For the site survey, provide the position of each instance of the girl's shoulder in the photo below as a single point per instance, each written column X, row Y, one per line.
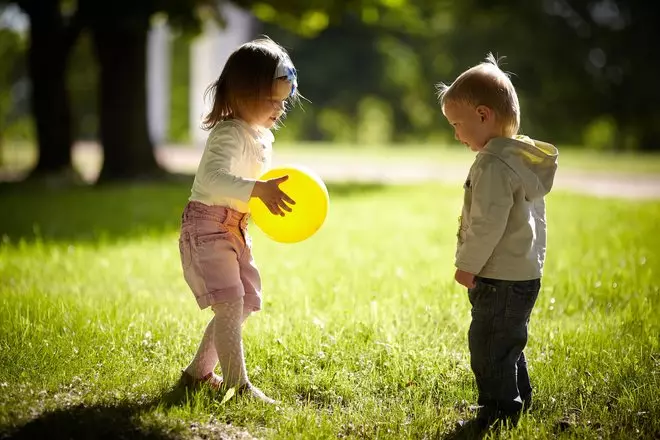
column 229, row 131
column 229, row 127
column 244, row 131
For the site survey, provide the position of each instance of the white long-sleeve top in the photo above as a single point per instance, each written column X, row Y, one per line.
column 234, row 157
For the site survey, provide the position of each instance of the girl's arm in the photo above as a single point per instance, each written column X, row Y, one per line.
column 223, row 149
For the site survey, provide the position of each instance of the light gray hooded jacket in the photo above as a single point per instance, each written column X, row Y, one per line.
column 502, row 233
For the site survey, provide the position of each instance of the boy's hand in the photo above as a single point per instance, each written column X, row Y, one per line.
column 464, row 278
column 269, row 192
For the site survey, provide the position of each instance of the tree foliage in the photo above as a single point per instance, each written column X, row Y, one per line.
column 576, row 64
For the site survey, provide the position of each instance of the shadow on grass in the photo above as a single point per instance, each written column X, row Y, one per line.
column 108, row 212
column 122, row 421
column 470, row 430
column 95, row 422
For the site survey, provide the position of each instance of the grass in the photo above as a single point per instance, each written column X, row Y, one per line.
column 363, row 333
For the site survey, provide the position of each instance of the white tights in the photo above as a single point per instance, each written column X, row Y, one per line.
column 222, row 342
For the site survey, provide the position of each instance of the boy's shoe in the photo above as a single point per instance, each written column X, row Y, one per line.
column 468, row 429
column 526, row 400
column 493, row 418
column 211, row 380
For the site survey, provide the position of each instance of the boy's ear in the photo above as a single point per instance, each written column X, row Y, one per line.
column 485, row 113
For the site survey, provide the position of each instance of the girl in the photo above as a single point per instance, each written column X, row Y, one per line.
column 249, row 98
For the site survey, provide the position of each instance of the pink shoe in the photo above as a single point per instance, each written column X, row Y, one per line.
column 250, row 390
column 211, row 380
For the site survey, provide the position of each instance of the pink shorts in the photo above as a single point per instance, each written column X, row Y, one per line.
column 216, row 256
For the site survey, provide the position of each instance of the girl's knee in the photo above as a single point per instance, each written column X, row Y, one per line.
column 230, row 307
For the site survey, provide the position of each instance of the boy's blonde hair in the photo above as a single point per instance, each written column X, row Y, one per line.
column 486, row 84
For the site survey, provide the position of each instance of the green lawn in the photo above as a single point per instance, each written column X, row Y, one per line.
column 363, row 333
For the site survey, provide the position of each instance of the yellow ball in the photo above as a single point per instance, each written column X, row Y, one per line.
column 309, row 212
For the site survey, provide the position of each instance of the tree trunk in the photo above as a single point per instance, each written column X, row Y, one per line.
column 47, row 60
column 128, row 151
column 650, row 138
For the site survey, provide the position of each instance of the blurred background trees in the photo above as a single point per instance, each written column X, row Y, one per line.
column 585, row 70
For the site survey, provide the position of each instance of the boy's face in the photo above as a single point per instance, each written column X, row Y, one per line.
column 473, row 126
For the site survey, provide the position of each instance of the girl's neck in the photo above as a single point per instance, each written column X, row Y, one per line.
column 244, row 121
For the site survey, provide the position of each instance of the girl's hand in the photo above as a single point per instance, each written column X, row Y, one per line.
column 269, row 192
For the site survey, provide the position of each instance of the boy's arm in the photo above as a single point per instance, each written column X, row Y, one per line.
column 492, row 199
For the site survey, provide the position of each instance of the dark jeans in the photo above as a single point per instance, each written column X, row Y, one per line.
column 497, row 337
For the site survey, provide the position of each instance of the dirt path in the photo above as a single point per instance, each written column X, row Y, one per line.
column 374, row 169
column 363, row 167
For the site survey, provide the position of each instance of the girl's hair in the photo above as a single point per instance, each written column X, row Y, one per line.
column 246, row 79
column 486, row 84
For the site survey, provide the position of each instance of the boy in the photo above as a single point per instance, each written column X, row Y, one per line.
column 502, row 233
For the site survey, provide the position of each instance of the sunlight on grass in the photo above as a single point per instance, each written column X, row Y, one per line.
column 363, row 332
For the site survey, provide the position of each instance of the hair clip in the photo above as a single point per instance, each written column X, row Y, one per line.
column 286, row 70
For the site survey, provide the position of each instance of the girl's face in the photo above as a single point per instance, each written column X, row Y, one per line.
column 266, row 112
